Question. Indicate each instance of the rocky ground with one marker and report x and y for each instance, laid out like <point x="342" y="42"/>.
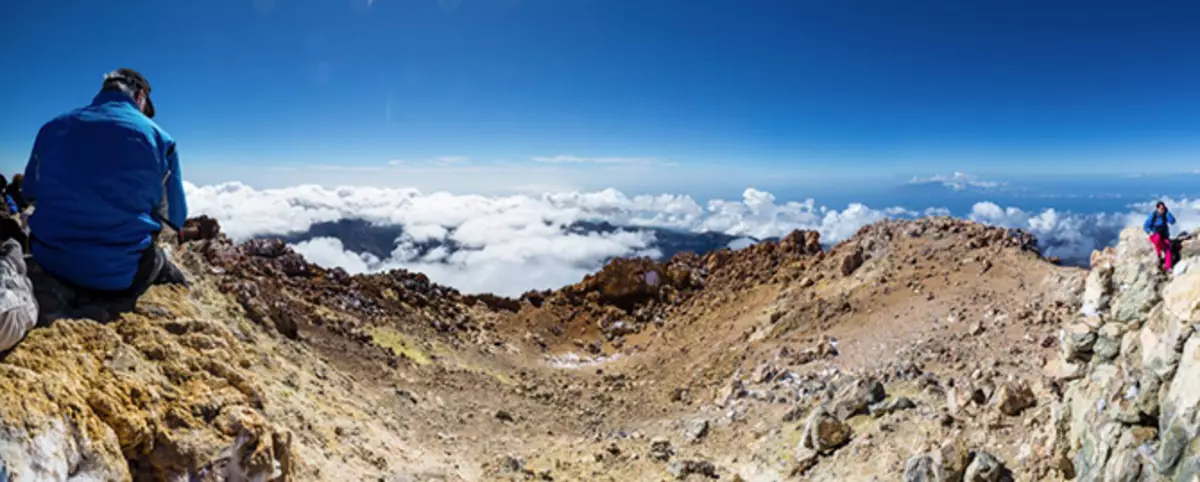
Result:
<point x="930" y="350"/>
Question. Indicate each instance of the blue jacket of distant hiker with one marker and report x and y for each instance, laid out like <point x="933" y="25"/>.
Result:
<point x="1159" y="223"/>
<point x="103" y="180"/>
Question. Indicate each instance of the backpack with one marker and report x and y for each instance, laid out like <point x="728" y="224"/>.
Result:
<point x="18" y="306"/>
<point x="1163" y="230"/>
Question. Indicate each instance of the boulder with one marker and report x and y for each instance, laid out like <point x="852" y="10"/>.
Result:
<point x="825" y="433"/>
<point x="1179" y="424"/>
<point x="1106" y="258"/>
<point x="1125" y="463"/>
<point x="1181" y="297"/>
<point x="801" y="242"/>
<point x="921" y="468"/>
<point x="1098" y="289"/>
<point x="681" y="469"/>
<point x="1096" y="446"/>
<point x="1076" y="341"/>
<point x="79" y="399"/>
<point x="1162" y="338"/>
<point x="984" y="467"/>
<point x="851" y="262"/>
<point x="946" y="464"/>
<point x="1108" y="341"/>
<point x="1014" y="397"/>
<point x="856" y="398"/>
<point x="1137" y="277"/>
<point x="895" y="405"/>
<point x="1062" y="370"/>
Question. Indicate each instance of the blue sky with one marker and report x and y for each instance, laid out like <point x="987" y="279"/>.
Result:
<point x="643" y="95"/>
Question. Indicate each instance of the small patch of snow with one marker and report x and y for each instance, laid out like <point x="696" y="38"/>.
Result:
<point x="572" y="361"/>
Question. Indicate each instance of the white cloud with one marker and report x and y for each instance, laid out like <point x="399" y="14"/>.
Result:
<point x="1073" y="236"/>
<point x="330" y="252"/>
<point x="570" y="159"/>
<point x="959" y="181"/>
<point x="510" y="244"/>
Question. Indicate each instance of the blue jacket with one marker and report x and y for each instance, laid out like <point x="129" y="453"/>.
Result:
<point x="11" y="205"/>
<point x="1156" y="222"/>
<point x="103" y="179"/>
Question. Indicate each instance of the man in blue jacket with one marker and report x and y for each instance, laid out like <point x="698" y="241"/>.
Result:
<point x="104" y="180"/>
<point x="1159" y="229"/>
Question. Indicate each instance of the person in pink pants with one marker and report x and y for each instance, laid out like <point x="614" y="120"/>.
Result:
<point x="1158" y="226"/>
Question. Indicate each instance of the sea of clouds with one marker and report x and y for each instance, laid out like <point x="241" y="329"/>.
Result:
<point x="511" y="244"/>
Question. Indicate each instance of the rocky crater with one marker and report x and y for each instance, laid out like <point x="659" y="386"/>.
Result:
<point x="926" y="350"/>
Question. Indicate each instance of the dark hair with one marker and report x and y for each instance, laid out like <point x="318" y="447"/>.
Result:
<point x="131" y="83"/>
<point x="1160" y="205"/>
<point x="119" y="85"/>
<point x="3" y="182"/>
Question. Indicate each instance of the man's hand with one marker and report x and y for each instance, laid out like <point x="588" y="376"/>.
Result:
<point x="198" y="228"/>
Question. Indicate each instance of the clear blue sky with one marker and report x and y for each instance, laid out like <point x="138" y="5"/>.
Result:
<point x="706" y="91"/>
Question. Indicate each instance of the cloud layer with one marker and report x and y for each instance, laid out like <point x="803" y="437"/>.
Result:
<point x="959" y="181"/>
<point x="510" y="244"/>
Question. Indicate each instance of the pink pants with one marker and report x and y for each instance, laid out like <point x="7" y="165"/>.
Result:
<point x="1162" y="248"/>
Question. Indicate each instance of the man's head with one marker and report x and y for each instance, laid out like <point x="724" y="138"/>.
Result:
<point x="1161" y="207"/>
<point x="131" y="82"/>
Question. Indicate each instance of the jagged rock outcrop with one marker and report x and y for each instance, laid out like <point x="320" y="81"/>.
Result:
<point x="193" y="383"/>
<point x="1135" y="413"/>
<point x="163" y="391"/>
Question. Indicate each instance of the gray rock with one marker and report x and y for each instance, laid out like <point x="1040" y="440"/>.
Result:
<point x="1136" y="275"/>
<point x="681" y="469"/>
<point x="512" y="464"/>
<point x="1140" y="295"/>
<point x="660" y="449"/>
<point x="1108" y="341"/>
<point x="1125" y="462"/>
<point x="856" y="398"/>
<point x="696" y="431"/>
<point x="1095" y="446"/>
<point x="1179" y="425"/>
<point x="946" y="464"/>
<point x="1162" y="339"/>
<point x="875" y="392"/>
<point x="984" y="468"/>
<point x="891" y="406"/>
<point x="1076" y="341"/>
<point x="921" y="469"/>
<point x="1098" y="290"/>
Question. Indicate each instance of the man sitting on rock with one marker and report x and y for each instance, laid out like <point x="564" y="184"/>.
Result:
<point x="104" y="180"/>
